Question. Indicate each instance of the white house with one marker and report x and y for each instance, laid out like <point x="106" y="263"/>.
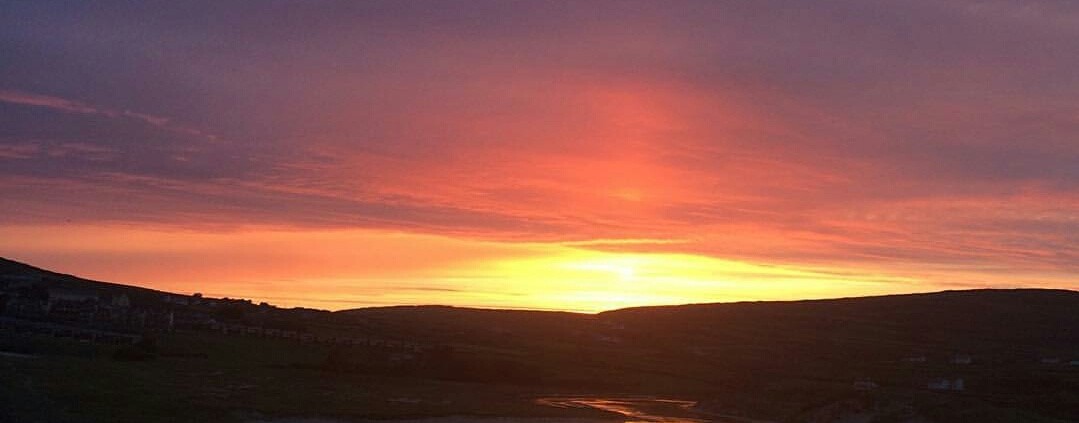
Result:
<point x="121" y="301"/>
<point x="943" y="384"/>
<point x="60" y="294"/>
<point x="864" y="385"/>
<point x="175" y="299"/>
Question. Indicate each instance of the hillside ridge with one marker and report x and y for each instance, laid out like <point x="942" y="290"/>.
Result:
<point x="9" y="267"/>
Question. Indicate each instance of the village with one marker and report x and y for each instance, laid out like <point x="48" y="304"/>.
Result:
<point x="113" y="317"/>
<point x="57" y="318"/>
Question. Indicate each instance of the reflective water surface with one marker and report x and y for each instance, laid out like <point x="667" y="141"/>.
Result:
<point x="631" y="410"/>
<point x="635" y="410"/>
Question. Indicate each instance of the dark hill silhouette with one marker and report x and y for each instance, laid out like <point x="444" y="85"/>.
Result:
<point x="796" y="353"/>
<point x="780" y="358"/>
<point x="1021" y="321"/>
<point x="1029" y="321"/>
<point x="14" y="272"/>
<point x="957" y="320"/>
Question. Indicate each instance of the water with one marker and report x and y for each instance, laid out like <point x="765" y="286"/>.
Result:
<point x="635" y="410"/>
<point x="632" y="410"/>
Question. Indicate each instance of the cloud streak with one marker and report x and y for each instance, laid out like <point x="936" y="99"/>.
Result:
<point x="73" y="106"/>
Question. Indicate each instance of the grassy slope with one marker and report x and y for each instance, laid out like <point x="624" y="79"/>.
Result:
<point x="774" y="359"/>
<point x="239" y="379"/>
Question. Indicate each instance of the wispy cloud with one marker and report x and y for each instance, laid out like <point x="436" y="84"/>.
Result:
<point x="73" y="106"/>
<point x="28" y="99"/>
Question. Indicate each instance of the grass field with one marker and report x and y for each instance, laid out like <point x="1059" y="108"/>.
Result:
<point x="201" y="377"/>
<point x="788" y="362"/>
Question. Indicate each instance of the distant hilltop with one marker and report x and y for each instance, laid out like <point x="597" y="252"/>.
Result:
<point x="1002" y="347"/>
<point x="49" y="301"/>
<point x="971" y="326"/>
<point x="16" y="275"/>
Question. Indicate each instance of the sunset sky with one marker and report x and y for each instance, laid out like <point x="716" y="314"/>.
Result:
<point x="580" y="155"/>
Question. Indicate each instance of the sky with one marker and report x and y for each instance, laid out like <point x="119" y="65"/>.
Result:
<point x="572" y="155"/>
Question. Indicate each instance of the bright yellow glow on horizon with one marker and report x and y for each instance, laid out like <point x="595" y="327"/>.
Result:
<point x="587" y="280"/>
<point x="339" y="269"/>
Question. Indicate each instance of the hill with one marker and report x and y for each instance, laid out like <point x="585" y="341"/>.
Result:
<point x="14" y="274"/>
<point x="786" y="361"/>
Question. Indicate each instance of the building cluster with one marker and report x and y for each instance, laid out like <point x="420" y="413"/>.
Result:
<point x="957" y="384"/>
<point x="307" y="337"/>
<point x="113" y="316"/>
<point x="946" y="384"/>
<point x="83" y="312"/>
<point x="30" y="327"/>
<point x="966" y="360"/>
<point x="85" y="309"/>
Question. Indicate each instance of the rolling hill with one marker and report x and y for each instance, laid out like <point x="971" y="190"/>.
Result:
<point x="784" y="360"/>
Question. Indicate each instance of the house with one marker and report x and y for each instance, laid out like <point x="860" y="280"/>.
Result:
<point x="175" y="299"/>
<point x="72" y="306"/>
<point x="121" y="301"/>
<point x="865" y="385"/>
<point x="961" y="359"/>
<point x="614" y="325"/>
<point x="60" y="294"/>
<point x="188" y="319"/>
<point x="25" y="308"/>
<point x="944" y="384"/>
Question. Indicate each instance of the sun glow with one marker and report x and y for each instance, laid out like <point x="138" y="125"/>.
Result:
<point x="340" y="269"/>
<point x="588" y="280"/>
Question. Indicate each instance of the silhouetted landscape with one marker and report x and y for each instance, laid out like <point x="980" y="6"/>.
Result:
<point x="540" y="211"/>
<point x="77" y="350"/>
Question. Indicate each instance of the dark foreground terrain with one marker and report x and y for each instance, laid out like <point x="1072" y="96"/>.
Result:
<point x="84" y="351"/>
